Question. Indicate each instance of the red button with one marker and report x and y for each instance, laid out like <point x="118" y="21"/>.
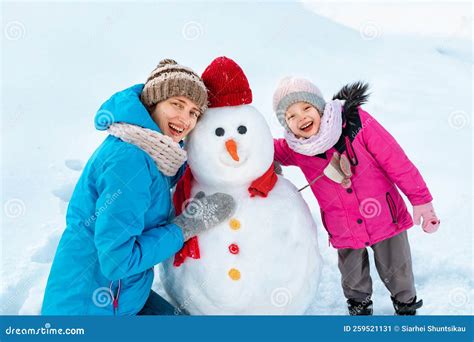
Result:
<point x="234" y="249"/>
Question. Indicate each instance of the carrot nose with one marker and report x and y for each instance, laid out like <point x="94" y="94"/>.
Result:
<point x="231" y="147"/>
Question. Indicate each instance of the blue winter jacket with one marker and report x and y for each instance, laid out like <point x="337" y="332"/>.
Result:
<point x="118" y="224"/>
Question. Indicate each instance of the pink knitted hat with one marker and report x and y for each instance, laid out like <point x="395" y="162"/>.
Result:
<point x="291" y="90"/>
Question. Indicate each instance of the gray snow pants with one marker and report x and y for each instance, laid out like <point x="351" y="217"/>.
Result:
<point x="393" y="263"/>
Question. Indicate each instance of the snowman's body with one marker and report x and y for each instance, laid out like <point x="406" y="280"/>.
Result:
<point x="265" y="258"/>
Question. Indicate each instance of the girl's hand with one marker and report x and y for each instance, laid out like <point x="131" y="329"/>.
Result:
<point x="339" y="170"/>
<point x="430" y="220"/>
<point x="277" y="168"/>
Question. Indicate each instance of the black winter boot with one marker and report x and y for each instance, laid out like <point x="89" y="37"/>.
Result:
<point x="406" y="309"/>
<point x="360" y="308"/>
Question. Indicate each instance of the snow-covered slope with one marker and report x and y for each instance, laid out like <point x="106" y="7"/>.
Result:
<point x="56" y="72"/>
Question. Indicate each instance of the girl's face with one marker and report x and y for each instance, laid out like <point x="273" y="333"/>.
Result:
<point x="303" y="119"/>
<point x="176" y="116"/>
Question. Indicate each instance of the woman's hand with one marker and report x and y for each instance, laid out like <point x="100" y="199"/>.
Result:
<point x="204" y="212"/>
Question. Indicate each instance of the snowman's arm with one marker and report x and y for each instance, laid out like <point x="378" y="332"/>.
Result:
<point x="283" y="153"/>
<point x="123" y="247"/>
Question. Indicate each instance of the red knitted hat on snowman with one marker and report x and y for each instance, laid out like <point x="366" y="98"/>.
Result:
<point x="226" y="84"/>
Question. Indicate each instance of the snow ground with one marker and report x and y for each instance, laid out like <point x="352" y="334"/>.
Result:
<point x="56" y="73"/>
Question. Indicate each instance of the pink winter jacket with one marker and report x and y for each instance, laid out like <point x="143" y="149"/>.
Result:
<point x="371" y="210"/>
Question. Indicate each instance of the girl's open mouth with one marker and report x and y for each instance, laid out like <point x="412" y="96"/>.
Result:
<point x="307" y="127"/>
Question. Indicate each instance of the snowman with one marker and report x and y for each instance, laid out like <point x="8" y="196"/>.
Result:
<point x="263" y="260"/>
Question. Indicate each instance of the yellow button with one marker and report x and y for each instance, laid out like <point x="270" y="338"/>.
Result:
<point x="234" y="274"/>
<point x="234" y="224"/>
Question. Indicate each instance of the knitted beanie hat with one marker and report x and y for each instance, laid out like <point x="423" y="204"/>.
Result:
<point x="226" y="83"/>
<point x="291" y="90"/>
<point x="171" y="79"/>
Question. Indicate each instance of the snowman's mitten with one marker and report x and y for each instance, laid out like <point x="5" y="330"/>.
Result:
<point x="204" y="212"/>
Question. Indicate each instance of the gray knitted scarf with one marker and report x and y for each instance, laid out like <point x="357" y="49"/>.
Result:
<point x="167" y="154"/>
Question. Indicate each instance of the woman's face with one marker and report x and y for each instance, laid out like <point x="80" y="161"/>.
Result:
<point x="176" y="116"/>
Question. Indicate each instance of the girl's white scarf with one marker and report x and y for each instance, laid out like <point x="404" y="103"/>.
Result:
<point x="167" y="154"/>
<point x="329" y="132"/>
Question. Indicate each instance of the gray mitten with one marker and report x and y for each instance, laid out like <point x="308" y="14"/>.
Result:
<point x="277" y="168"/>
<point x="204" y="212"/>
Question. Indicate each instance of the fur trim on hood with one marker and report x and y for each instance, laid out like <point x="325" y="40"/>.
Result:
<point x="354" y="95"/>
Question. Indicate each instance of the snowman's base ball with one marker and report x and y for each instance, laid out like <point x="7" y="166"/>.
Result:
<point x="275" y="270"/>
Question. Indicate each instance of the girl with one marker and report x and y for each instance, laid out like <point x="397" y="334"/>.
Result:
<point x="354" y="167"/>
<point x="118" y="224"/>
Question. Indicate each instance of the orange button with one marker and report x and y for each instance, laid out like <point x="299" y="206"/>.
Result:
<point x="234" y="224"/>
<point x="234" y="274"/>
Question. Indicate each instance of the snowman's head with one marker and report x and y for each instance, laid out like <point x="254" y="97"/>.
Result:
<point x="230" y="146"/>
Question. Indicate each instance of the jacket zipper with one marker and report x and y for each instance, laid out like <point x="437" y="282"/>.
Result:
<point x="115" y="298"/>
<point x="392" y="207"/>
<point x="350" y="152"/>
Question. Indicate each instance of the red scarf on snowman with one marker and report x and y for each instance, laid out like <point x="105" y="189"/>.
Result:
<point x="227" y="86"/>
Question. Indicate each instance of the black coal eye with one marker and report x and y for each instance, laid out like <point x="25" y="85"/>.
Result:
<point x="242" y="129"/>
<point x="220" y="131"/>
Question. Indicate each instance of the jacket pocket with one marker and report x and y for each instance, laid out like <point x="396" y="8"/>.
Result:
<point x="392" y="207"/>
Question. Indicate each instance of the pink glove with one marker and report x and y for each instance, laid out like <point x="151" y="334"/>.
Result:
<point x="430" y="220"/>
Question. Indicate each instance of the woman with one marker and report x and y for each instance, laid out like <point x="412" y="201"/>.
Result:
<point x="118" y="225"/>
